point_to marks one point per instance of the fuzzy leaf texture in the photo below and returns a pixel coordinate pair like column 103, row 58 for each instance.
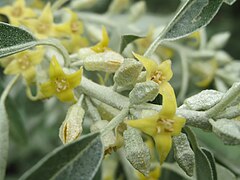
column 227, row 130
column 76, row 161
column 14, row 39
column 4, row 138
column 204, row 170
column 193, row 15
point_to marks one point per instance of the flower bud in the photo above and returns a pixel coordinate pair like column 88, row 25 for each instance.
column 203, row 100
column 136, row 151
column 183, row 153
column 128, row 72
column 143, row 92
column 71, row 127
column 137, row 10
column 222, row 58
column 218, row 41
column 108, row 61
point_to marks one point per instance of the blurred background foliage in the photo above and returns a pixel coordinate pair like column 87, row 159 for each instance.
column 34, row 125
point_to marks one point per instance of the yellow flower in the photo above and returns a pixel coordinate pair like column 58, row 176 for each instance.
column 17, row 12
column 61, row 84
column 74, row 43
column 165, row 124
column 154, row 174
column 43, row 27
column 25, row 63
column 71, row 26
column 103, row 44
column 161, row 126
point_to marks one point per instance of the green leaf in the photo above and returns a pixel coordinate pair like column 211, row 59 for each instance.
column 230, row 2
column 14, row 39
column 126, row 39
column 17, row 128
column 212, row 162
column 203, row 166
column 76, row 161
column 4, row 128
column 193, row 15
column 224, row 173
column 227, row 130
column 4, row 139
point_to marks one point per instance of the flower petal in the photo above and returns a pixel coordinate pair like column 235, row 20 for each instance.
column 163, row 144
column 147, row 125
column 178, row 125
column 169, row 104
column 66, row 96
column 29, row 74
column 75, row 78
column 12, row 67
column 165, row 68
column 55, row 70
column 103, row 44
column 150, row 65
column 46, row 16
column 47, row 89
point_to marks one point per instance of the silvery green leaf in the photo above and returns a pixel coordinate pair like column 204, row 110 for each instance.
column 137, row 153
column 4, row 139
column 212, row 161
column 183, row 153
column 204, row 100
column 143, row 92
column 128, row 72
column 230, row 2
column 224, row 173
column 193, row 15
column 227, row 130
column 203, row 166
column 14, row 39
column 79, row 160
column 126, row 39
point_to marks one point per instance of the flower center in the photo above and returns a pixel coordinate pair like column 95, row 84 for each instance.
column 74, row 27
column 24, row 62
column 165, row 125
column 158, row 77
column 61, row 84
column 43, row 28
column 17, row 11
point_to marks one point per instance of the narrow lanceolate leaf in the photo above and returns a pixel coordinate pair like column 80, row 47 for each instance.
column 126, row 39
column 230, row 2
column 76, row 161
column 224, row 173
column 14, row 39
column 4, row 129
column 204, row 170
column 4, row 139
column 212, row 162
column 193, row 15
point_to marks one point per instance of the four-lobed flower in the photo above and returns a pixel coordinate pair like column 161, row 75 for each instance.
column 61, row 84
column 165, row 124
column 17, row 12
column 25, row 63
